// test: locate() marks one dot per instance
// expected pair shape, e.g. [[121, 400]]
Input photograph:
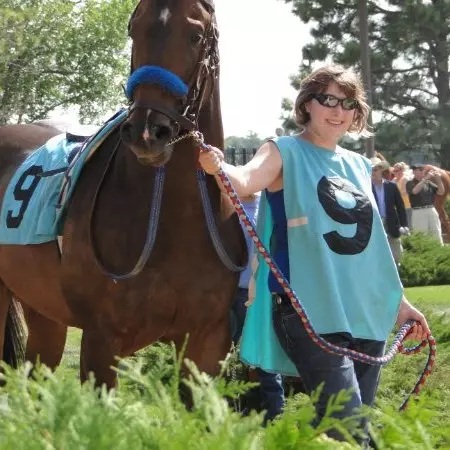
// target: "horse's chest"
[[115, 241], [110, 236]]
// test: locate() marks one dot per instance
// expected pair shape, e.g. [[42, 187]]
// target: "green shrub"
[[50, 412], [425, 262]]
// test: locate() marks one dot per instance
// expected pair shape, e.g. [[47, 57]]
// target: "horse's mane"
[[210, 6]]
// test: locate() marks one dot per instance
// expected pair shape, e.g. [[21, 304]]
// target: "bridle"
[[205, 71]]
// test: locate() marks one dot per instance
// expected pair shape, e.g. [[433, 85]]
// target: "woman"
[[401, 176], [319, 217]]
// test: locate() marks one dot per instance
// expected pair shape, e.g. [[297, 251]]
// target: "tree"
[[410, 50], [57, 54], [251, 141]]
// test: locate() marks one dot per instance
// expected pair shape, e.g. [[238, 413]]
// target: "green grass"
[[433, 296], [433, 300], [398, 376], [70, 363]]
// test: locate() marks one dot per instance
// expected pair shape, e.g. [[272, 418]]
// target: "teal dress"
[[340, 264]]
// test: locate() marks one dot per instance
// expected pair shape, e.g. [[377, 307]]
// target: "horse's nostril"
[[161, 132], [126, 132]]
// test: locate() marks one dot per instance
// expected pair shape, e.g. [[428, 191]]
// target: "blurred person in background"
[[402, 173], [391, 207], [422, 192]]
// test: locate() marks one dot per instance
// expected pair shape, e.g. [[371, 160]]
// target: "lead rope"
[[397, 344]]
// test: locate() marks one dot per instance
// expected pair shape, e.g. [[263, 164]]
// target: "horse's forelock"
[[208, 4]]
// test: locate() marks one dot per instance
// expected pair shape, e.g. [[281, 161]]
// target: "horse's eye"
[[196, 38]]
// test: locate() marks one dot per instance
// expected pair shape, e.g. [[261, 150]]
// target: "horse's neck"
[[210, 120], [185, 157], [446, 181], [181, 169]]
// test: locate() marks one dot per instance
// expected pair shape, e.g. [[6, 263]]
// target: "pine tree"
[[410, 48]]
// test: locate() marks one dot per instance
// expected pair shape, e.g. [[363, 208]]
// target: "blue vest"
[[341, 266]]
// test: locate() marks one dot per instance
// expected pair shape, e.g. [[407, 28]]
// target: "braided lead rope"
[[396, 345]]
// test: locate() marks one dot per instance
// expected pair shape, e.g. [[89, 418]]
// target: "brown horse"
[[46, 338], [183, 288], [439, 201]]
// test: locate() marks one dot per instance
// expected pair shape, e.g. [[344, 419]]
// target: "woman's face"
[[330, 122], [398, 172]]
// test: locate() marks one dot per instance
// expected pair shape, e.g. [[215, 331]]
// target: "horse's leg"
[[98, 355], [205, 348], [12, 328], [209, 347], [46, 339], [4, 308]]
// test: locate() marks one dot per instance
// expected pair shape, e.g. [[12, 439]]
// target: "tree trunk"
[[366, 71]]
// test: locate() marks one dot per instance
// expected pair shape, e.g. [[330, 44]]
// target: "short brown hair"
[[347, 80]]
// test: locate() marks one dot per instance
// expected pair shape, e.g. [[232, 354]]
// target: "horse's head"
[[174, 64]]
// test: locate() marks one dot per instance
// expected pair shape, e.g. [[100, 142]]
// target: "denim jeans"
[[271, 385], [336, 372]]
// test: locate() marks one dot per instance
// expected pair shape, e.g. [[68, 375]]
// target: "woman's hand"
[[211, 161], [420, 331]]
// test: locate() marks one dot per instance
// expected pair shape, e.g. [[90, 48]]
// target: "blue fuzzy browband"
[[156, 75]]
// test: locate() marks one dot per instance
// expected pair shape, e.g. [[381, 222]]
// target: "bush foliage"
[[53, 412], [425, 262]]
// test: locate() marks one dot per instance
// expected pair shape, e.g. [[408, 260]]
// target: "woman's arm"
[[419, 186], [258, 174]]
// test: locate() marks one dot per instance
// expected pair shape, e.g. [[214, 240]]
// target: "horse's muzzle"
[[148, 137]]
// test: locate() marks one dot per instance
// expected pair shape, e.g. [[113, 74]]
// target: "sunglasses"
[[330, 101]]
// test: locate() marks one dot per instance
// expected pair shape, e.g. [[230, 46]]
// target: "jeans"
[[317, 366], [271, 385]]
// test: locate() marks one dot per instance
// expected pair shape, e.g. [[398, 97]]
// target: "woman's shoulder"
[[283, 141], [287, 146], [356, 158], [351, 154]]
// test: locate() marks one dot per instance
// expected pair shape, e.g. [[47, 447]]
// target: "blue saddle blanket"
[[36, 196]]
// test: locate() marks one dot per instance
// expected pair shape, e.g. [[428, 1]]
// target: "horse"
[[179, 288], [439, 200], [45, 338]]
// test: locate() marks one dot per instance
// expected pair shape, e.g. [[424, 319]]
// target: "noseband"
[[190, 95]]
